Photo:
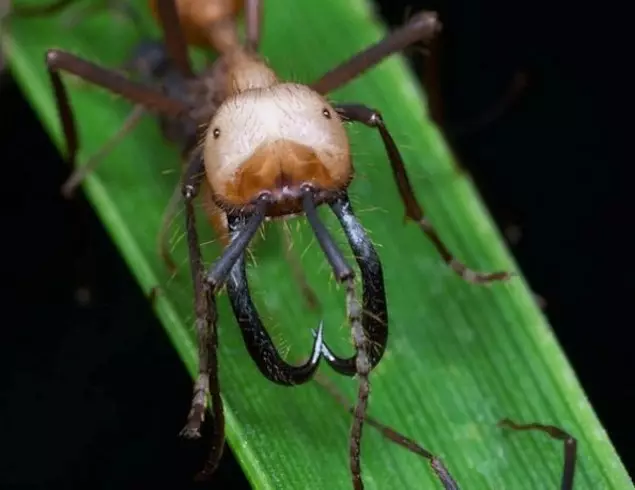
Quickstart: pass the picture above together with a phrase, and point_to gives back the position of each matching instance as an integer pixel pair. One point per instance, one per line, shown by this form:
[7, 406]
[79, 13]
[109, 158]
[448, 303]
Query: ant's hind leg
[163, 242]
[80, 173]
[61, 61]
[122, 8]
[569, 442]
[39, 10]
[414, 211]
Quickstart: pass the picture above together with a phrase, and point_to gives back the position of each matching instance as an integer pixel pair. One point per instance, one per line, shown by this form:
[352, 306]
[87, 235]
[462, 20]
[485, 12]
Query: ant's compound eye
[326, 113]
[216, 133]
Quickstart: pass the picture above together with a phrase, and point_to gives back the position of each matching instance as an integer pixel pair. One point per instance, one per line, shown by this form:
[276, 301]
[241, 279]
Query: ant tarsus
[570, 446]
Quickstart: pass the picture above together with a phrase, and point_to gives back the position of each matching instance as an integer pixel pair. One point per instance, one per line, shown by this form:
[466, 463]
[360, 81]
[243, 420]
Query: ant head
[274, 141]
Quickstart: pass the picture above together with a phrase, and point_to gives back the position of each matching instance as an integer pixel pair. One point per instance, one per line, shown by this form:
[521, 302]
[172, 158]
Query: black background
[554, 165]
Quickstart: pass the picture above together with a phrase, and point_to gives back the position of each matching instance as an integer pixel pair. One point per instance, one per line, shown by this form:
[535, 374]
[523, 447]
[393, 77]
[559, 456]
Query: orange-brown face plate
[279, 168]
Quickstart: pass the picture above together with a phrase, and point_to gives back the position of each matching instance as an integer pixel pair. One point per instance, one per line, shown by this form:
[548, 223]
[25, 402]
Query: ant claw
[190, 433]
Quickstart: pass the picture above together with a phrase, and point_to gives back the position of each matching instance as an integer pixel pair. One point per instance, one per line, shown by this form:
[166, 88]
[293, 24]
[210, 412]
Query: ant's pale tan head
[275, 140]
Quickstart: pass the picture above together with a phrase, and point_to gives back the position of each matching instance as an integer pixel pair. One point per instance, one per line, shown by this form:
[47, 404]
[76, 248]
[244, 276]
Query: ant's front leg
[414, 211]
[206, 326]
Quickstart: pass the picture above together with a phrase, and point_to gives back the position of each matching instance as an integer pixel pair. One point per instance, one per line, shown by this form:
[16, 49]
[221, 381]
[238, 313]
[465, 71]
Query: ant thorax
[276, 140]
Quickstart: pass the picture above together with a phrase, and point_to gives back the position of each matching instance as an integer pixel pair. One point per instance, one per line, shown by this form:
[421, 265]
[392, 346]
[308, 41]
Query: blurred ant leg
[153, 294]
[206, 327]
[369, 343]
[310, 297]
[4, 13]
[373, 119]
[5, 9]
[253, 24]
[39, 10]
[214, 215]
[570, 446]
[60, 61]
[174, 36]
[80, 173]
[516, 87]
[422, 27]
[120, 7]
[392, 435]
[432, 82]
[8, 9]
[146, 60]
[163, 245]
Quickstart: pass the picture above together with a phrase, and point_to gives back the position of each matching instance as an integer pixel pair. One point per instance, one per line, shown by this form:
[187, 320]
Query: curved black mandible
[258, 342]
[375, 308]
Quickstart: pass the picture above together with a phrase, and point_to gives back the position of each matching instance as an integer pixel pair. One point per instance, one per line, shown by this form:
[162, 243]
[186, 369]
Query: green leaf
[460, 356]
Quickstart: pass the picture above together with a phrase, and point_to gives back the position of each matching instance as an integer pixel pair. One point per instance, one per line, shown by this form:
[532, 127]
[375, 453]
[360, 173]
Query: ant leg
[5, 7]
[174, 37]
[206, 327]
[151, 98]
[253, 24]
[570, 446]
[369, 337]
[149, 57]
[121, 7]
[80, 173]
[517, 85]
[373, 119]
[212, 211]
[392, 435]
[422, 27]
[431, 79]
[39, 10]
